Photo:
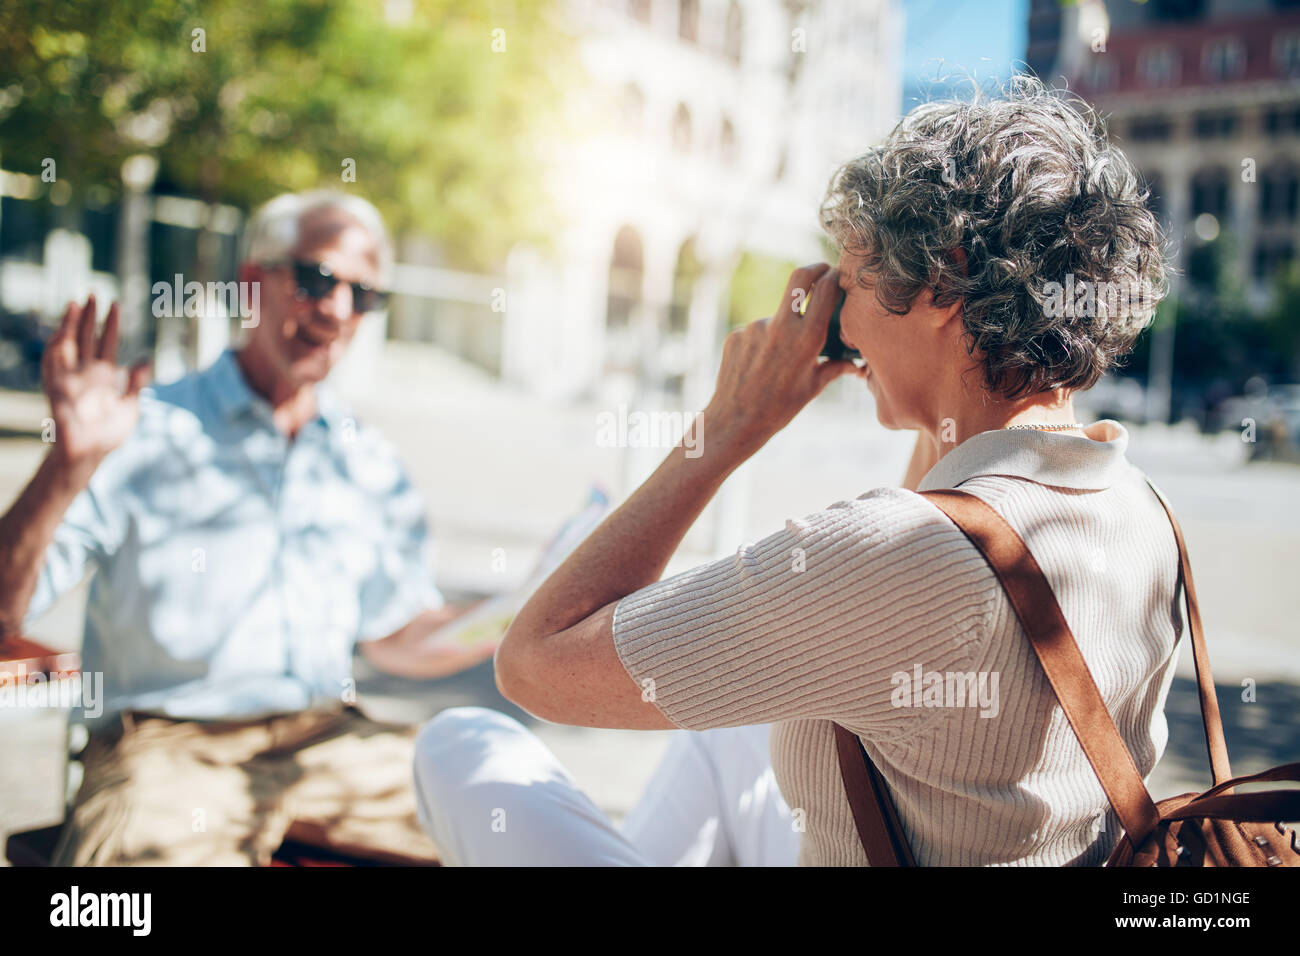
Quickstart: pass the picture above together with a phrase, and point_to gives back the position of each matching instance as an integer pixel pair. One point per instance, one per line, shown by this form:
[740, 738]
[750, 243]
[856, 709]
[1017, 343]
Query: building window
[1148, 128]
[631, 110]
[1155, 197]
[1225, 59]
[1279, 192]
[1272, 257]
[1158, 66]
[1177, 9]
[625, 268]
[1215, 125]
[682, 129]
[688, 20]
[685, 275]
[727, 142]
[733, 42]
[1286, 54]
[1282, 121]
[1210, 193]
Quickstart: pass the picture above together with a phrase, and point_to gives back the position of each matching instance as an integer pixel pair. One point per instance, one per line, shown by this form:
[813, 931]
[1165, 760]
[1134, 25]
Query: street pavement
[500, 470]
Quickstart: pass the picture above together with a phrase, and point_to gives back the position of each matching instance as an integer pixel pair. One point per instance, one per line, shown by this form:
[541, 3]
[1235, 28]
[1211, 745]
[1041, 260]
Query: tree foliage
[438, 103]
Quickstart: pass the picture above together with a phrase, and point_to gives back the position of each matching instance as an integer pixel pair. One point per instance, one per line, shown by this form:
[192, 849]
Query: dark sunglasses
[316, 281]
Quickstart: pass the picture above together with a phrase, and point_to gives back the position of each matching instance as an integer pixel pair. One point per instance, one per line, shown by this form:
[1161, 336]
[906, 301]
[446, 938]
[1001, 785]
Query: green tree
[438, 109]
[1282, 321]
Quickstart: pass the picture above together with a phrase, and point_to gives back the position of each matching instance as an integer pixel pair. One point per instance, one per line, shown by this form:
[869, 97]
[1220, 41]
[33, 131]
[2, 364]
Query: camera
[835, 349]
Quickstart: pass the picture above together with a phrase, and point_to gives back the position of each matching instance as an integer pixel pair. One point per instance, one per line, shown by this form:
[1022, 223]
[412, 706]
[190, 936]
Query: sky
[983, 37]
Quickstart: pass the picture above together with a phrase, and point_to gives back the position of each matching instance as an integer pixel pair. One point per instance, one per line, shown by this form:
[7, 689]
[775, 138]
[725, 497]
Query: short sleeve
[814, 621]
[401, 585]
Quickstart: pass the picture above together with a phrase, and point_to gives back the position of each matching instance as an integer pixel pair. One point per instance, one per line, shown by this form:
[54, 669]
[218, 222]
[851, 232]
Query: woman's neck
[1050, 408]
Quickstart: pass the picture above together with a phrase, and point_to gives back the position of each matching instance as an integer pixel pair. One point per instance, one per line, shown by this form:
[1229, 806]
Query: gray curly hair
[1027, 185]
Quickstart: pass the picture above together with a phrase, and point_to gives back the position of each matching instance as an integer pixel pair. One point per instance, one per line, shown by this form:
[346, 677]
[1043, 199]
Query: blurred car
[1271, 413]
[1123, 399]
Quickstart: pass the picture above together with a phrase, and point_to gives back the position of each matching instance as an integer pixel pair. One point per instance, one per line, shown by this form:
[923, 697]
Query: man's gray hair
[273, 229]
[1028, 186]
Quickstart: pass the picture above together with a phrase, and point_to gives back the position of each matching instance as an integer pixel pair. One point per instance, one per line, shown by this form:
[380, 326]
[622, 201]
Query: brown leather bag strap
[1267, 807]
[1215, 743]
[1058, 653]
[1222, 803]
[874, 813]
[1287, 771]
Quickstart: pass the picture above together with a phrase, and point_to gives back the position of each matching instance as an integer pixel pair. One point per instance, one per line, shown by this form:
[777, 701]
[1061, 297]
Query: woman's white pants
[490, 793]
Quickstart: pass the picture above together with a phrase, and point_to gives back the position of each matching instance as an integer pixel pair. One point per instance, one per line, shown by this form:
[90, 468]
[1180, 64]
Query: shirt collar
[233, 395]
[1049, 458]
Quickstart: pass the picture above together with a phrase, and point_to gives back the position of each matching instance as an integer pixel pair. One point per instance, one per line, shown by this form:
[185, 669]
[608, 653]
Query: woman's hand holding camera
[770, 368]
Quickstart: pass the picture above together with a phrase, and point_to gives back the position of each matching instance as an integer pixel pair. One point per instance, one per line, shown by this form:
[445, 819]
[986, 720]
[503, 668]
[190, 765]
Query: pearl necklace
[1058, 427]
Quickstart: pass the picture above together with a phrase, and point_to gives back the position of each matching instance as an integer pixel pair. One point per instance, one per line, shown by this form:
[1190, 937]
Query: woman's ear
[947, 312]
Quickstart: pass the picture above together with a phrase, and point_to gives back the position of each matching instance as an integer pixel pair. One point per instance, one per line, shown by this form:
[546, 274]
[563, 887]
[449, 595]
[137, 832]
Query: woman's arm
[558, 659]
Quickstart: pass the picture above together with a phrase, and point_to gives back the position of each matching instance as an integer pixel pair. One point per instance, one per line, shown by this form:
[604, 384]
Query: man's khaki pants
[165, 792]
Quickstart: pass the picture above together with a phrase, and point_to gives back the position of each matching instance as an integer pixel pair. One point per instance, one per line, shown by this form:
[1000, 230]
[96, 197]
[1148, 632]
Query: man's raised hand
[93, 401]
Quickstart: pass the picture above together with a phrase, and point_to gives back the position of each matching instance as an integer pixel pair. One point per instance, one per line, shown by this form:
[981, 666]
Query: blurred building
[1043, 41]
[705, 133]
[710, 129]
[1204, 96]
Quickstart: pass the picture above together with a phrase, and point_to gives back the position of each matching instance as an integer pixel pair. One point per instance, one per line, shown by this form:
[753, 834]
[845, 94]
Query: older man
[244, 533]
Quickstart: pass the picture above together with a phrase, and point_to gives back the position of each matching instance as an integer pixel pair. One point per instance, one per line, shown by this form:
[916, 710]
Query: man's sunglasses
[316, 281]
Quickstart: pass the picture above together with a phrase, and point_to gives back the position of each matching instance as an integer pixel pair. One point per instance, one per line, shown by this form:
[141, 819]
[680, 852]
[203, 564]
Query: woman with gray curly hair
[960, 236]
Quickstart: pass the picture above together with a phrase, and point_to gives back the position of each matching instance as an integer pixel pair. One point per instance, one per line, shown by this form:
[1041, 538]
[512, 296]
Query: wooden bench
[305, 843]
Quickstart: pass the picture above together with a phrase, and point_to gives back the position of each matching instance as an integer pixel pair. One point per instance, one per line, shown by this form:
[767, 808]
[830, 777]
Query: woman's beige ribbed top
[879, 614]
